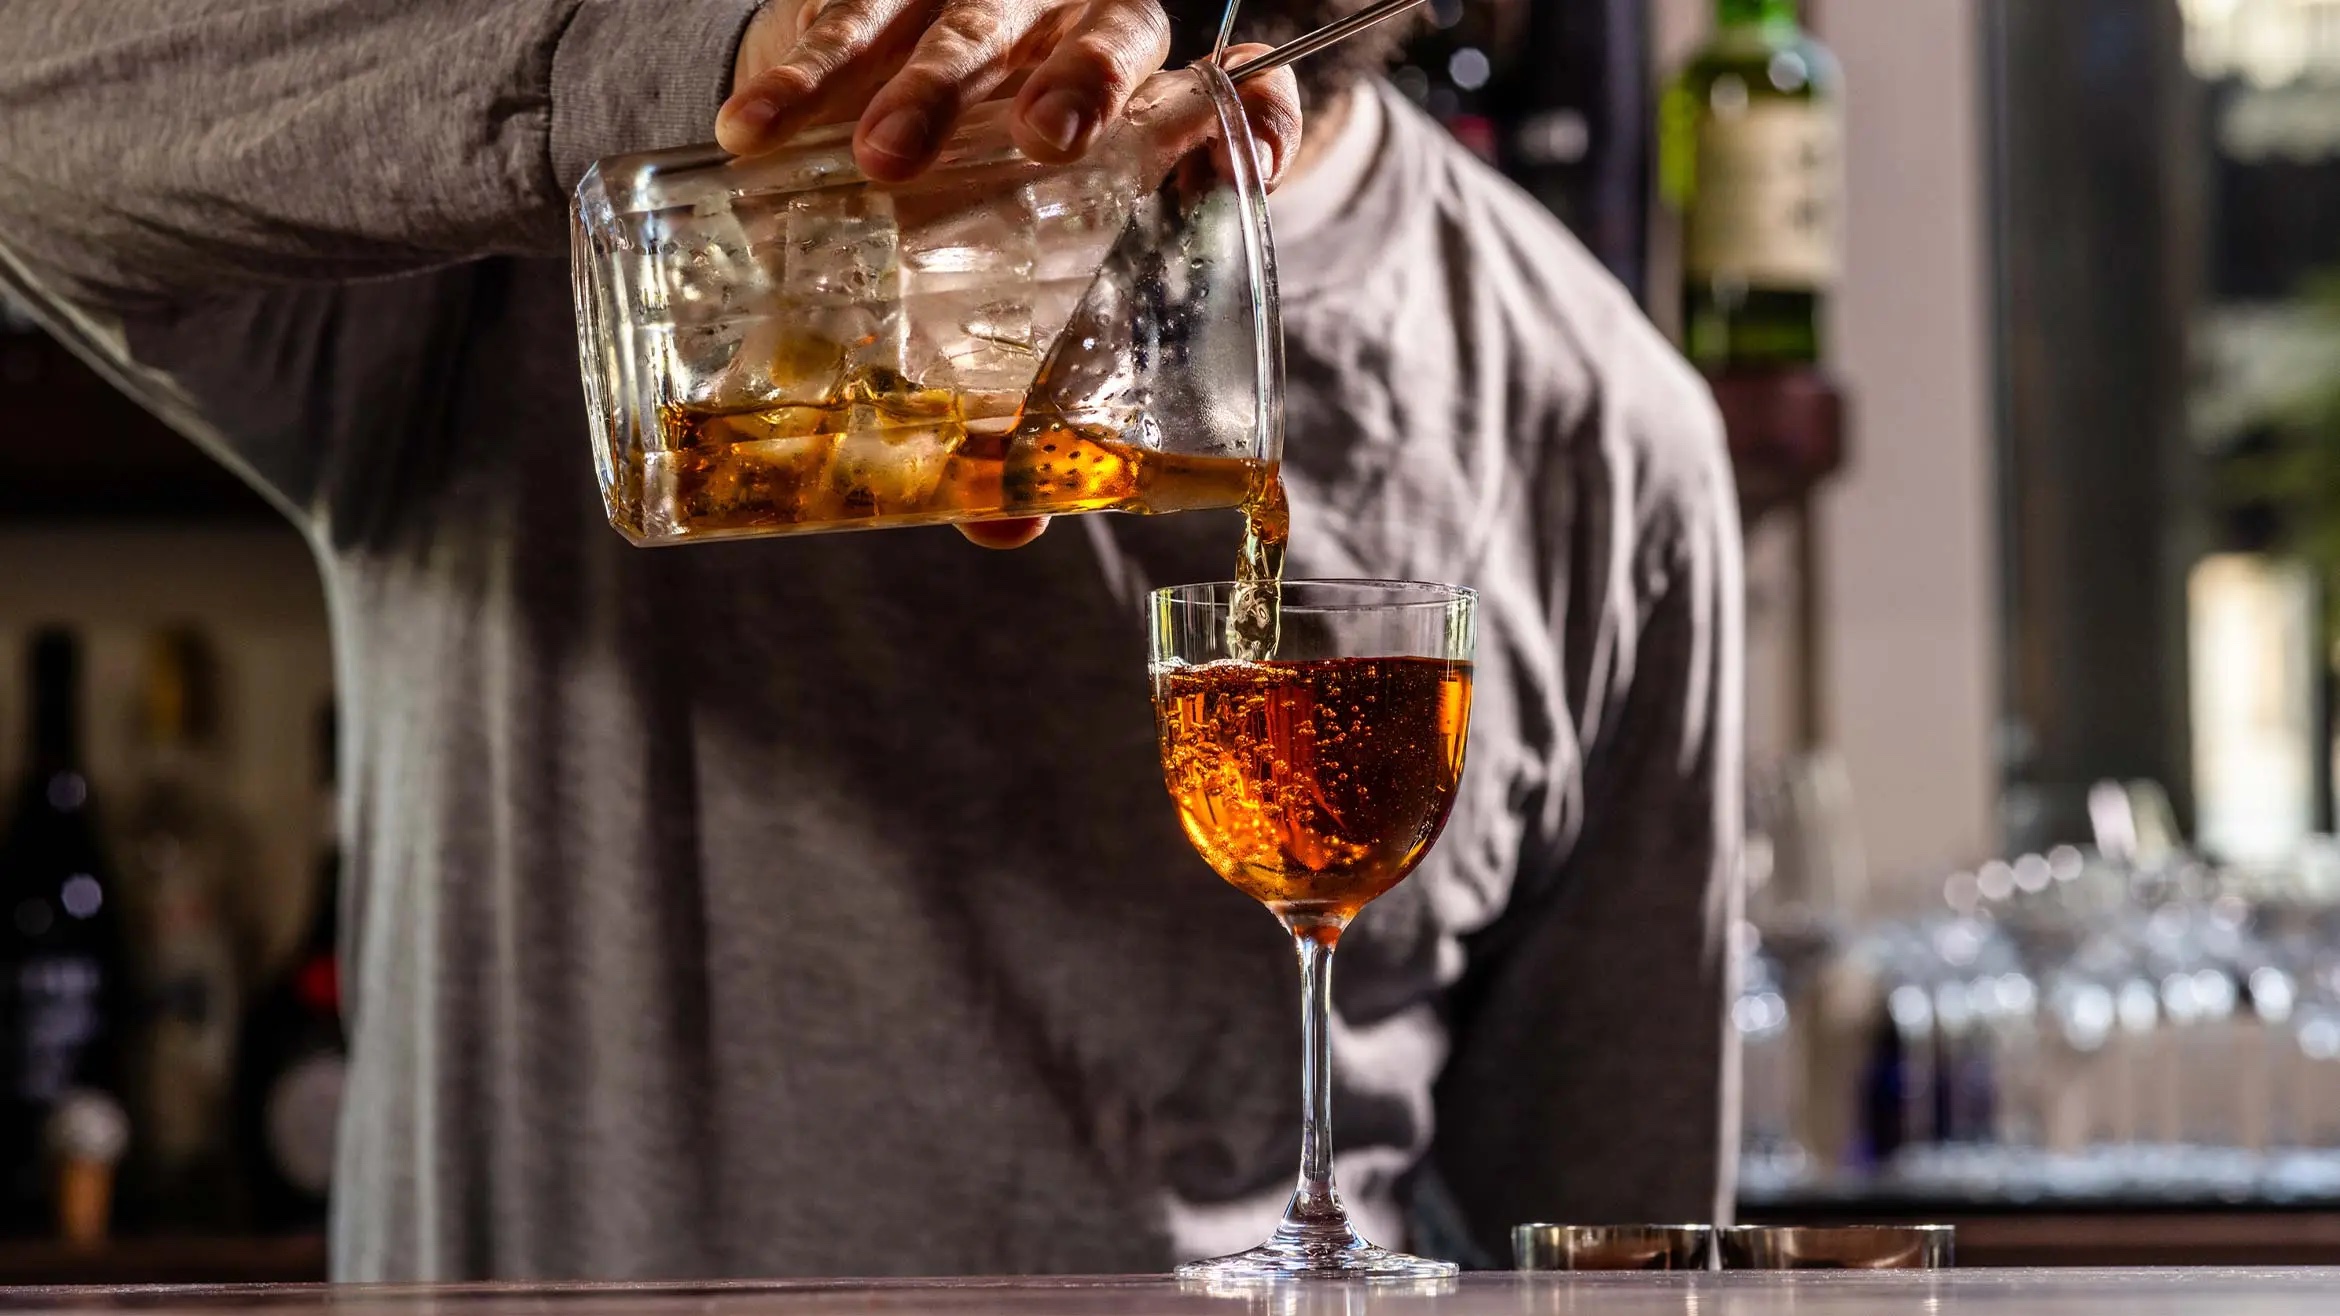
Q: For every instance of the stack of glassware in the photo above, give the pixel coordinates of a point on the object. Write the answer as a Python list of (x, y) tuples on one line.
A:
[(2121, 1023)]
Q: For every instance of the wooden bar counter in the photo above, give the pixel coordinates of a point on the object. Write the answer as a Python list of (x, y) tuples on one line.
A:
[(2300, 1292)]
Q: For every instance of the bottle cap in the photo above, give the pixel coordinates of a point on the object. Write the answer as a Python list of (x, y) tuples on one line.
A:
[(1612, 1247), (1847, 1247)]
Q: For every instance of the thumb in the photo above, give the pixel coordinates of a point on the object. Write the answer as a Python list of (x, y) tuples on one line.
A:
[(1014, 533)]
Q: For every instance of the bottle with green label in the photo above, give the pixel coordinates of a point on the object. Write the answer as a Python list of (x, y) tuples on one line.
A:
[(1752, 137)]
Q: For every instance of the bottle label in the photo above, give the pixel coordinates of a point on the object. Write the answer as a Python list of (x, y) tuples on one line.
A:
[(1768, 200), (303, 1116), (58, 1017)]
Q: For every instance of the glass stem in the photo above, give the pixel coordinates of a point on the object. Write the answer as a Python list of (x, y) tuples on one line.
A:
[(1315, 1211)]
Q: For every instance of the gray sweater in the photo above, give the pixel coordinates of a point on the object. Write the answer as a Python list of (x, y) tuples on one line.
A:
[(814, 905)]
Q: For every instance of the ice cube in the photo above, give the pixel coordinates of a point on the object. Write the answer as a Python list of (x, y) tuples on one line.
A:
[(891, 458), (966, 239), (982, 340), (661, 502), (699, 289), (696, 360), (967, 261), (1076, 215), (801, 353), (881, 339), (842, 246), (770, 432), (763, 224), (698, 267), (780, 476), (757, 468)]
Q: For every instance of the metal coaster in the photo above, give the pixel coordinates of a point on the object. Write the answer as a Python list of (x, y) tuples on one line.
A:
[(1612, 1247), (1851, 1247)]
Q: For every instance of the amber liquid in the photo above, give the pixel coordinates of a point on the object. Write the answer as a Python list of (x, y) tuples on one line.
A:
[(1314, 786), (887, 452), (1255, 621)]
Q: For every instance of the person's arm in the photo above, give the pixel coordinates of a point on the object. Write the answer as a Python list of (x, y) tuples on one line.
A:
[(186, 145), (1593, 1076)]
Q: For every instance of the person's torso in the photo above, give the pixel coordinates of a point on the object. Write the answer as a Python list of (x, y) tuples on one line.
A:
[(815, 904)]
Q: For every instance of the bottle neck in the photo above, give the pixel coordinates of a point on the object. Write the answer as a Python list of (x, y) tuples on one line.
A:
[(1755, 13)]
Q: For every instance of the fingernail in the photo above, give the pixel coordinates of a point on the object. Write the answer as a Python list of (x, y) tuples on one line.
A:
[(1266, 160), (754, 115), (1059, 117), (901, 134)]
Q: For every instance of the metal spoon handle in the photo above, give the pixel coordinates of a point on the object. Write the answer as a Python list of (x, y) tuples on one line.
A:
[(1226, 30), (1302, 47)]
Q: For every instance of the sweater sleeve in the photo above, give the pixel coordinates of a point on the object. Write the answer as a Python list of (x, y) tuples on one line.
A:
[(169, 147)]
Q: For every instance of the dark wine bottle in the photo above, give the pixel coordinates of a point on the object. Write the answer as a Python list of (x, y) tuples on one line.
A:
[(62, 972), (1573, 90), (293, 1056)]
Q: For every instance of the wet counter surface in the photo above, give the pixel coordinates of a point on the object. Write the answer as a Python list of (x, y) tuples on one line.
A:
[(2274, 1292)]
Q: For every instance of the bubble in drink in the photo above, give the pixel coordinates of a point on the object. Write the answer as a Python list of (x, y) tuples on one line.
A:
[(1314, 786)]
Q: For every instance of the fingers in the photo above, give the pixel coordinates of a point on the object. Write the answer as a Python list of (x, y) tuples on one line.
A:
[(1004, 534), (1086, 80), (908, 69), (965, 54), (827, 70), (1272, 102)]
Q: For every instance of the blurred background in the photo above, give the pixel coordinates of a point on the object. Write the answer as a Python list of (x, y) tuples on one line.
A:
[(2027, 329)]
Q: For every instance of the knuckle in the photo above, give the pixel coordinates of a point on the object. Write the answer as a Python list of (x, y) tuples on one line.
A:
[(932, 94), (1110, 58), (926, 84), (837, 32), (979, 28), (1128, 44), (790, 81), (815, 56)]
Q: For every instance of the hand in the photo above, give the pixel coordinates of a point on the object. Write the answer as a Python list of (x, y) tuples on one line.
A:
[(907, 69)]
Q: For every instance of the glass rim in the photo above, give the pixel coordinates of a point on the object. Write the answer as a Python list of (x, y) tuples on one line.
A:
[(1398, 596)]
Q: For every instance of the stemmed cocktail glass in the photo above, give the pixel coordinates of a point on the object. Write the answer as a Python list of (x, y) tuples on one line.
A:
[(1314, 783)]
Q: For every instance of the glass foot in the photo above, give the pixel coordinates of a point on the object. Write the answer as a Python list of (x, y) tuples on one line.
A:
[(1342, 1256)]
